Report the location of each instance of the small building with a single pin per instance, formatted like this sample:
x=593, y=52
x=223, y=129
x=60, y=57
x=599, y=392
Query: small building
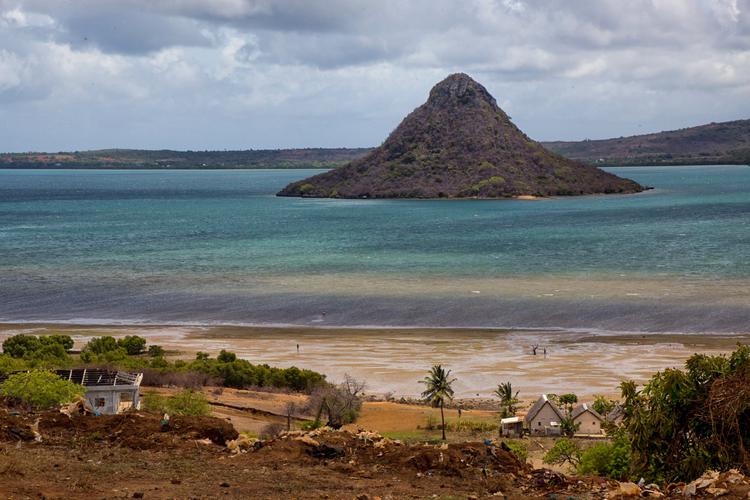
x=511, y=427
x=544, y=417
x=616, y=416
x=107, y=392
x=588, y=419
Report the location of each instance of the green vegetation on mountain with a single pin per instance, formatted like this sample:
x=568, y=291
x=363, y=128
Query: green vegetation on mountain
x=459, y=144
x=714, y=143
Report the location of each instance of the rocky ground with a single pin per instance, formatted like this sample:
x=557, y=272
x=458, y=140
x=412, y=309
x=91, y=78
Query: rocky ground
x=52, y=455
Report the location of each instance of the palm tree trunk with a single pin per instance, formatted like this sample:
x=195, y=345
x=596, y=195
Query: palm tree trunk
x=442, y=419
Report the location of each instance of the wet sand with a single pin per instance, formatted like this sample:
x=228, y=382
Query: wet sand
x=393, y=360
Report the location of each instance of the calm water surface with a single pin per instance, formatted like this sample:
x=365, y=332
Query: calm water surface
x=212, y=247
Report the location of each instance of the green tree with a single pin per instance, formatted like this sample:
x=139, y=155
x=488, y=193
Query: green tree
x=610, y=460
x=40, y=389
x=508, y=400
x=133, y=344
x=603, y=405
x=568, y=400
x=155, y=351
x=568, y=426
x=226, y=357
x=201, y=356
x=64, y=340
x=19, y=346
x=438, y=389
x=101, y=345
x=684, y=422
x=564, y=451
x=186, y=402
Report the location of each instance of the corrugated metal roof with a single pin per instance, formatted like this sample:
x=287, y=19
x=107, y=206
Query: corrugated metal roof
x=94, y=377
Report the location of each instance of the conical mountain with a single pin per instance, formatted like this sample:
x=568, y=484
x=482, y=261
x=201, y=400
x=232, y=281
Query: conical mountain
x=459, y=144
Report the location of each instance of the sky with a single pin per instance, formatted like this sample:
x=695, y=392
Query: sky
x=255, y=74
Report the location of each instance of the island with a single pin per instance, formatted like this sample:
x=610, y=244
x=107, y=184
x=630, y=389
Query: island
x=460, y=144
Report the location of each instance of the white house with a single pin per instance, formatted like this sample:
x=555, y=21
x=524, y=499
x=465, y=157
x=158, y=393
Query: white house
x=544, y=417
x=590, y=422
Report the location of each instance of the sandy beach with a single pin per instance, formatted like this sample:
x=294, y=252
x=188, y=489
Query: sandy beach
x=393, y=360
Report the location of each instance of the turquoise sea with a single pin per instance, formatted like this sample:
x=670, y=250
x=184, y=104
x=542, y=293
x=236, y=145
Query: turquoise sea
x=217, y=247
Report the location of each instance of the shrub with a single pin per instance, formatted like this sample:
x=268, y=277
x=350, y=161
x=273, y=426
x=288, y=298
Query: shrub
x=568, y=426
x=226, y=357
x=9, y=364
x=40, y=389
x=133, y=344
x=602, y=405
x=19, y=346
x=156, y=351
x=518, y=449
x=44, y=351
x=611, y=460
x=684, y=422
x=64, y=340
x=564, y=451
x=101, y=345
x=186, y=402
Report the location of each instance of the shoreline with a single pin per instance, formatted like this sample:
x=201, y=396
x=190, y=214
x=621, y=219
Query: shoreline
x=392, y=360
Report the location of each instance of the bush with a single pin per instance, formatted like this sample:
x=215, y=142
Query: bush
x=40, y=389
x=569, y=427
x=518, y=449
x=685, y=422
x=187, y=402
x=101, y=345
x=563, y=451
x=64, y=340
x=9, y=364
x=611, y=460
x=603, y=405
x=27, y=346
x=18, y=346
x=226, y=357
x=133, y=344
x=156, y=351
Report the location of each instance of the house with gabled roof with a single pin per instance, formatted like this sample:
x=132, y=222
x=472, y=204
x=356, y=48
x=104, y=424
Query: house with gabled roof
x=589, y=421
x=544, y=417
x=616, y=415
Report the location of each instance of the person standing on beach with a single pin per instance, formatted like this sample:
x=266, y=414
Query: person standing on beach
x=297, y=348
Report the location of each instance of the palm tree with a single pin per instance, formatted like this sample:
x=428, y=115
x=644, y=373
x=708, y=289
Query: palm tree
x=508, y=400
x=438, y=389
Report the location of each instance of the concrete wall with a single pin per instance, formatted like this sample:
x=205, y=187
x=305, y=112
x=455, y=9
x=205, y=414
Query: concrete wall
x=541, y=420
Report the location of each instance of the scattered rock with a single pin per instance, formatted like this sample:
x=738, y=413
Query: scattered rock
x=627, y=490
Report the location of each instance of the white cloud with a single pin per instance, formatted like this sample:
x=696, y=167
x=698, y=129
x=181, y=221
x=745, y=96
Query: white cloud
x=283, y=73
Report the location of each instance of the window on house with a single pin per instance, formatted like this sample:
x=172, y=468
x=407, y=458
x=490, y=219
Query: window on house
x=538, y=423
x=99, y=402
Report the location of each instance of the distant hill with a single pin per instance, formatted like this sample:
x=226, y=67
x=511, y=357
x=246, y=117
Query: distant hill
x=715, y=143
x=166, y=159
x=459, y=144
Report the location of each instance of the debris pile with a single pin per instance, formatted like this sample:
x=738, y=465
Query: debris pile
x=712, y=484
x=137, y=430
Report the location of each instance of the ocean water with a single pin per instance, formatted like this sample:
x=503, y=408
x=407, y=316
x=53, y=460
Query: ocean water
x=217, y=247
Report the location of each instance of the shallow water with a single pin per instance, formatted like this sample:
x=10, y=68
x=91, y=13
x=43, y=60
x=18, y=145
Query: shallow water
x=212, y=247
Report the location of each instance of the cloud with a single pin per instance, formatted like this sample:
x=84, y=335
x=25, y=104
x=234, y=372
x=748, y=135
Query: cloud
x=283, y=73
